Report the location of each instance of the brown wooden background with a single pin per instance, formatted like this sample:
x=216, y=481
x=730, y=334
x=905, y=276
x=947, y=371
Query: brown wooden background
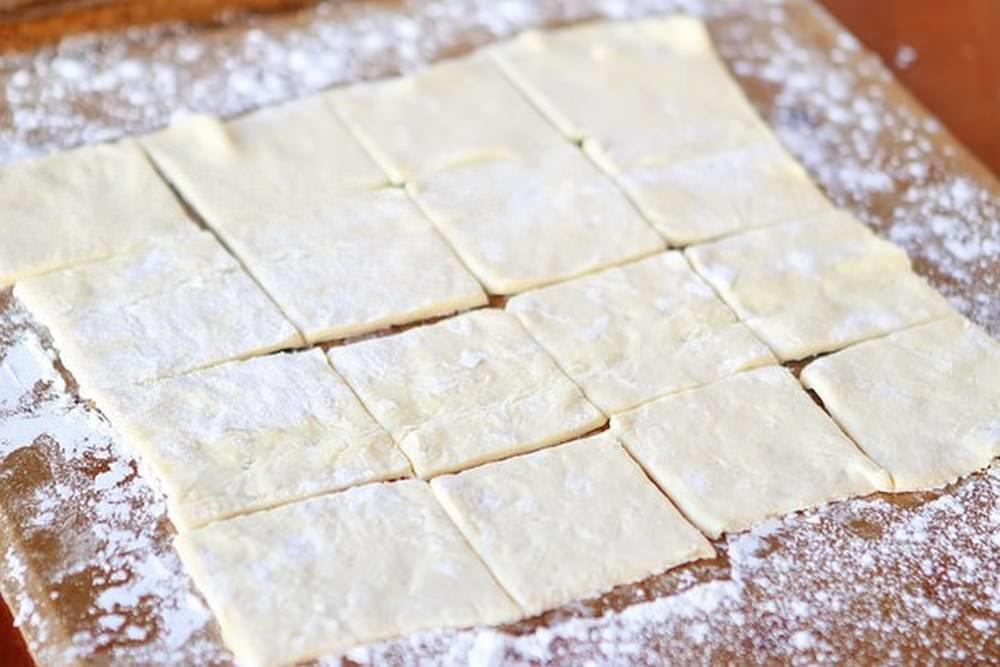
x=947, y=53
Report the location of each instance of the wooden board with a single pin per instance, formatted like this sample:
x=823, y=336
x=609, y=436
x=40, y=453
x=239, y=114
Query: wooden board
x=87, y=564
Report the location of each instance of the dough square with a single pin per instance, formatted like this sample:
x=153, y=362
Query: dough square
x=323, y=575
x=704, y=198
x=924, y=403
x=464, y=391
x=177, y=305
x=522, y=224
x=637, y=332
x=250, y=435
x=769, y=450
x=450, y=113
x=646, y=92
x=367, y=262
x=817, y=285
x=79, y=206
x=277, y=164
x=568, y=522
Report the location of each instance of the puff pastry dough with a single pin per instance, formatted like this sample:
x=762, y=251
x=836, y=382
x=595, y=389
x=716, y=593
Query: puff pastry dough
x=924, y=403
x=368, y=563
x=470, y=389
x=640, y=331
x=250, y=435
x=568, y=522
x=770, y=450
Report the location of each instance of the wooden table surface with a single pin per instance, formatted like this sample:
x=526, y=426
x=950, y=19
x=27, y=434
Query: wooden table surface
x=942, y=51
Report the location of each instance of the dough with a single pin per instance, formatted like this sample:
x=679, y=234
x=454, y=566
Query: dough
x=468, y=390
x=746, y=448
x=648, y=92
x=924, y=403
x=177, y=305
x=634, y=333
x=817, y=285
x=250, y=435
x=723, y=193
x=323, y=575
x=80, y=206
x=371, y=260
x=568, y=522
x=519, y=225
x=287, y=162
x=449, y=114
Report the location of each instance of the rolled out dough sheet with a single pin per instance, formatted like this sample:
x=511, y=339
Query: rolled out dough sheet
x=568, y=522
x=817, y=285
x=368, y=261
x=924, y=403
x=468, y=390
x=323, y=575
x=282, y=163
x=723, y=193
x=744, y=449
x=633, y=333
x=177, y=305
x=522, y=224
x=449, y=114
x=80, y=206
x=647, y=92
x=253, y=434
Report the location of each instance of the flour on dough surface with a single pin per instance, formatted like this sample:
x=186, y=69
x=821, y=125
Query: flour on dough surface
x=468, y=390
x=817, y=285
x=744, y=449
x=176, y=305
x=326, y=574
x=253, y=434
x=79, y=206
x=568, y=522
x=633, y=333
x=519, y=224
x=924, y=402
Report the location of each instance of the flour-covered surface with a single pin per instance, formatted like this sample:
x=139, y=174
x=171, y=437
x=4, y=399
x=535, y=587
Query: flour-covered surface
x=85, y=556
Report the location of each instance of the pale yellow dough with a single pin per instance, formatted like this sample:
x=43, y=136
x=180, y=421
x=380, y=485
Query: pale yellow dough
x=250, y=435
x=175, y=306
x=285, y=163
x=323, y=575
x=522, y=224
x=369, y=261
x=746, y=448
x=468, y=390
x=568, y=522
x=924, y=403
x=80, y=206
x=817, y=285
x=449, y=114
x=647, y=92
x=634, y=333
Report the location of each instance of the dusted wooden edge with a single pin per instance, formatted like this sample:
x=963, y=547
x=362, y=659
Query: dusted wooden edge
x=39, y=24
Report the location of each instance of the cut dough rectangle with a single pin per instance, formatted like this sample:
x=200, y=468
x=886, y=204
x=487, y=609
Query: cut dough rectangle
x=449, y=114
x=568, y=522
x=817, y=285
x=79, y=206
x=770, y=450
x=468, y=390
x=924, y=403
x=522, y=224
x=250, y=435
x=633, y=333
x=177, y=305
x=366, y=262
x=283, y=163
x=323, y=575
